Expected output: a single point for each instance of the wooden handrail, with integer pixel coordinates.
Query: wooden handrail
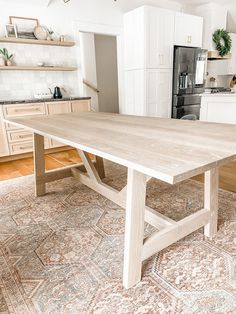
(90, 86)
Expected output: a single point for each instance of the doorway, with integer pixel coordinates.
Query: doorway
(100, 70)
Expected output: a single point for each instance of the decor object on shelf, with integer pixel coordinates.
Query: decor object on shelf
(6, 56)
(40, 32)
(10, 30)
(233, 82)
(50, 34)
(25, 26)
(223, 41)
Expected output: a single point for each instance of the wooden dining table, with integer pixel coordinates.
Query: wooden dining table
(166, 149)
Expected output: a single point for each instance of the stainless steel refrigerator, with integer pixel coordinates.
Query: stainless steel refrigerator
(188, 81)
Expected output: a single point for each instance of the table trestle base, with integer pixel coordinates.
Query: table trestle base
(133, 197)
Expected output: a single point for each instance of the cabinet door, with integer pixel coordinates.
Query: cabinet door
(58, 107)
(80, 105)
(188, 30)
(4, 150)
(135, 102)
(160, 38)
(134, 42)
(159, 86)
(223, 111)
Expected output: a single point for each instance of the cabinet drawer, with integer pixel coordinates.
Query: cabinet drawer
(19, 136)
(9, 126)
(23, 110)
(21, 148)
(26, 146)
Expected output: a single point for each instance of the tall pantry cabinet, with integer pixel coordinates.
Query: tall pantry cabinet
(149, 41)
(150, 34)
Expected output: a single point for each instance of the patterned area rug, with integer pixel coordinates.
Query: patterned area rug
(62, 253)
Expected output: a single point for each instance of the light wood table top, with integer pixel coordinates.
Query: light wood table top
(166, 149)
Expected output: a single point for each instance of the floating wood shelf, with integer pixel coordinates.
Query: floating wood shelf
(36, 42)
(36, 68)
(215, 55)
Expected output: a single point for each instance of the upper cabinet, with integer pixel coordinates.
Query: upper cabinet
(160, 38)
(188, 30)
(149, 38)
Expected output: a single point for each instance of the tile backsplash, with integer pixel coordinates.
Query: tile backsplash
(24, 84)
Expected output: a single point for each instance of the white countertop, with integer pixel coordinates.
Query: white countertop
(218, 95)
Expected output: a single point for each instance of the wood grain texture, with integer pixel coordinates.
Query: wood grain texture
(36, 42)
(134, 227)
(39, 164)
(37, 68)
(169, 150)
(211, 200)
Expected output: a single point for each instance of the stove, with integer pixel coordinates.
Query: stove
(215, 90)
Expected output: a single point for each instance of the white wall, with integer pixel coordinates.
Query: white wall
(61, 18)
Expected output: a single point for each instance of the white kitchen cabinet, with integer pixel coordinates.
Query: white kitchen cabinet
(149, 92)
(148, 38)
(160, 38)
(135, 92)
(188, 30)
(219, 108)
(159, 92)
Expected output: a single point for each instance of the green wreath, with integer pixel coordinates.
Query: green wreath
(223, 41)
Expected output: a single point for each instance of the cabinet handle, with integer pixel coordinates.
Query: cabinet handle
(189, 39)
(25, 147)
(161, 59)
(25, 136)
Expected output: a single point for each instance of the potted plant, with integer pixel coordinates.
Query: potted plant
(6, 56)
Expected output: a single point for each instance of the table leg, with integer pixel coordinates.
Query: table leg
(99, 164)
(211, 200)
(134, 227)
(39, 165)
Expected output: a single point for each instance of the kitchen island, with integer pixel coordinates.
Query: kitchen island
(219, 107)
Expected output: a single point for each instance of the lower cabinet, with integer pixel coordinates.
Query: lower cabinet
(80, 106)
(218, 109)
(15, 141)
(149, 92)
(4, 148)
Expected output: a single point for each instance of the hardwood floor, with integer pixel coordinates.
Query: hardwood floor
(23, 167)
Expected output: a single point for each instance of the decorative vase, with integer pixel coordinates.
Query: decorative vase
(9, 63)
(2, 62)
